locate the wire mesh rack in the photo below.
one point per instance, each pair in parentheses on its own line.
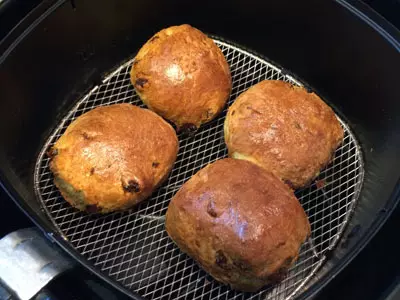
(133,248)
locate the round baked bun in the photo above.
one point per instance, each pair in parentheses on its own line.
(113,157)
(241,223)
(284,129)
(183,76)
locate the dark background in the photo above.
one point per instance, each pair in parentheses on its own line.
(373,274)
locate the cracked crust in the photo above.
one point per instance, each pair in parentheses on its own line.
(113,157)
(239,222)
(284,129)
(182,75)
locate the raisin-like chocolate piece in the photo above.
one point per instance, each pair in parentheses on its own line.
(211,209)
(242,265)
(288,262)
(92,208)
(253,110)
(86,136)
(155,164)
(91,171)
(188,129)
(132,186)
(52,152)
(289,183)
(220,258)
(141,82)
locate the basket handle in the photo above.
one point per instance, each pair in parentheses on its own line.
(28,262)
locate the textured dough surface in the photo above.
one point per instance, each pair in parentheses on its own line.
(113,157)
(182,75)
(283,129)
(241,223)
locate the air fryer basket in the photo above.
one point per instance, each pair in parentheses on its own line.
(62,53)
(133,247)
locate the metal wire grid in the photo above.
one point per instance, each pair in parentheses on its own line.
(133,248)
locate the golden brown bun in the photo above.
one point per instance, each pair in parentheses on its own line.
(113,157)
(283,129)
(182,75)
(240,222)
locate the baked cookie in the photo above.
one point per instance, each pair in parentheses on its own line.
(183,76)
(113,157)
(283,129)
(241,223)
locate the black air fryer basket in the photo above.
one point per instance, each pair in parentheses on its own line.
(67,57)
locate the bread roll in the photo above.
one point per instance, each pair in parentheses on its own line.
(283,129)
(183,76)
(113,157)
(241,223)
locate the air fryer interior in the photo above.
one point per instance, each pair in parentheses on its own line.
(60,52)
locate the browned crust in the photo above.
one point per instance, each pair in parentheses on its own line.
(283,129)
(182,75)
(113,157)
(240,222)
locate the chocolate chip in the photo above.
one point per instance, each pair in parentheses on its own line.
(85,135)
(188,129)
(52,152)
(211,209)
(91,171)
(288,262)
(289,183)
(233,112)
(155,164)
(254,110)
(92,208)
(220,258)
(241,265)
(132,186)
(141,82)
(297,125)
(281,244)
